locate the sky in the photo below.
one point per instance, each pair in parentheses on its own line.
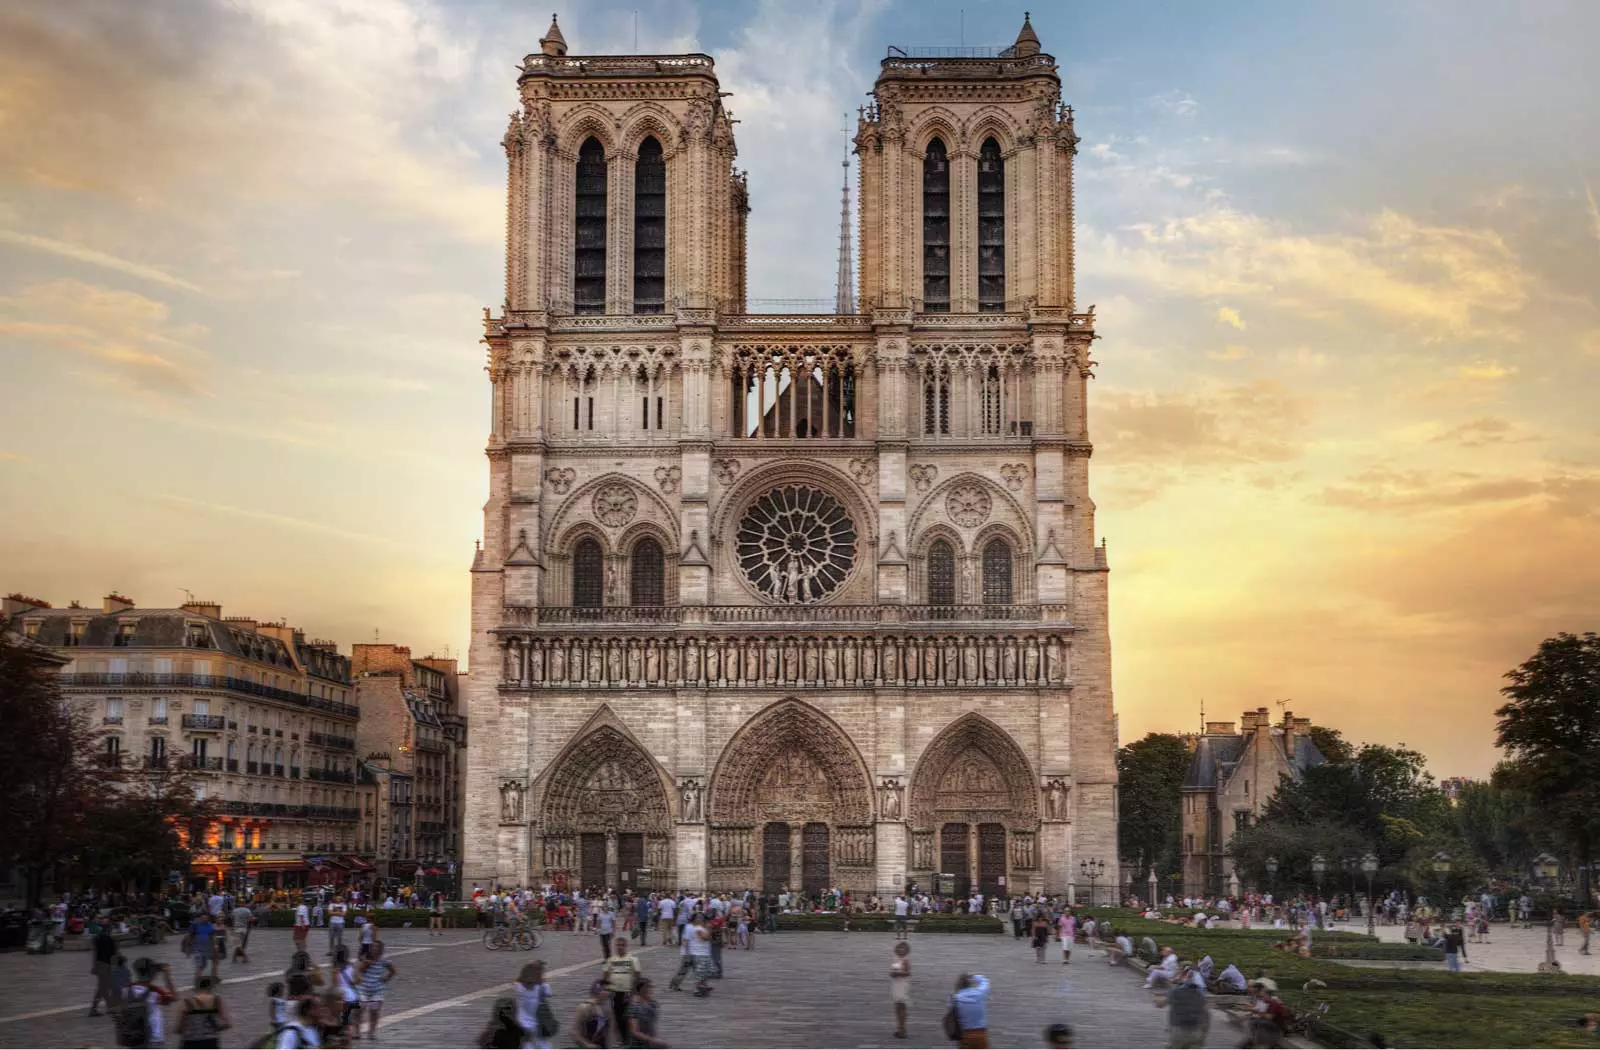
(1345,260)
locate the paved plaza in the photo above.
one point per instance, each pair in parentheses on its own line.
(794,989)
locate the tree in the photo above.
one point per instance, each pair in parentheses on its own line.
(48,776)
(1550,730)
(1150,776)
(135,836)
(1498,823)
(1334,747)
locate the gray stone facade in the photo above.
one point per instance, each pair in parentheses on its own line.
(788,599)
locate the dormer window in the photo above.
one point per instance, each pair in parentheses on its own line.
(124,635)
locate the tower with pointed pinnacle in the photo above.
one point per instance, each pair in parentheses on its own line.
(844,294)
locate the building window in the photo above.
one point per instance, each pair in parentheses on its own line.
(158,711)
(649,229)
(114,711)
(936,400)
(75,634)
(588,575)
(997,572)
(647,573)
(158,750)
(1189,848)
(589,244)
(794,392)
(991,228)
(936,229)
(124,634)
(941,573)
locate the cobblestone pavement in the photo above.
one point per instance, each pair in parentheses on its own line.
(794,989)
(1513,949)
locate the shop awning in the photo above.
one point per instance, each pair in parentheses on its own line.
(356,864)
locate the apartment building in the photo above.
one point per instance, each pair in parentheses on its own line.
(412,739)
(265,718)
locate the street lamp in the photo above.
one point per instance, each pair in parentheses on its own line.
(1441,868)
(1319,868)
(1155,886)
(1272,873)
(1093,868)
(1369,868)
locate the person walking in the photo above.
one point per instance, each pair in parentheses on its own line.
(105,953)
(533,999)
(1188,1016)
(436,914)
(1558,927)
(700,952)
(669,912)
(902,908)
(606,924)
(1066,932)
(619,974)
(718,927)
(336,912)
(202,1018)
(242,918)
(1041,934)
(1585,927)
(302,925)
(1455,949)
(641,908)
(141,1019)
(372,974)
(367,937)
(969,1009)
(197,944)
(900,986)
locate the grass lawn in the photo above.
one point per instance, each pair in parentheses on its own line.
(1409,1007)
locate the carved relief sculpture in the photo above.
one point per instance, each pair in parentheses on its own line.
(667,478)
(1055,799)
(891,798)
(560,479)
(725,470)
(968,505)
(1014,474)
(922,475)
(615,505)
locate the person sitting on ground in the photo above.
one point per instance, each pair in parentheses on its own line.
(1232,980)
(1165,971)
(1120,950)
(1270,1018)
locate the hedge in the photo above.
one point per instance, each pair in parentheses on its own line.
(879,922)
(386,918)
(1384,952)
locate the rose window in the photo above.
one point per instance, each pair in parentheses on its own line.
(796,544)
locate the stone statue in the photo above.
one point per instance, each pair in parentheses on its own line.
(691,800)
(691,662)
(558,662)
(1030,661)
(1055,799)
(614,661)
(633,661)
(1052,659)
(810,673)
(830,662)
(511,802)
(1010,668)
(672,663)
(891,798)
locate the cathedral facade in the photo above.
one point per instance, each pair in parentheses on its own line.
(789,599)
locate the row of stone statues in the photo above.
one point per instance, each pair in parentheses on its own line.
(829,660)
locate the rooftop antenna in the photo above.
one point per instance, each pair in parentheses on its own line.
(188,595)
(636,31)
(1202,716)
(963,27)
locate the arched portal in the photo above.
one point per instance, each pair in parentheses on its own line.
(974,809)
(606,815)
(791,805)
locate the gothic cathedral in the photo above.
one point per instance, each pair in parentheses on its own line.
(798,599)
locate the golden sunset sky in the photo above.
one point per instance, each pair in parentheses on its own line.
(1345,260)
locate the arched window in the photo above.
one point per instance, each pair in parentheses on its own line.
(936,229)
(646,573)
(588,575)
(589,231)
(794,391)
(650,229)
(936,399)
(991,228)
(997,572)
(941,573)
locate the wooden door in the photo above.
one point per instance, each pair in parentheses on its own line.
(775,858)
(955,857)
(814,858)
(592,861)
(630,858)
(991,859)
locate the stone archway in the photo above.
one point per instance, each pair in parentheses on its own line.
(791,804)
(975,810)
(606,814)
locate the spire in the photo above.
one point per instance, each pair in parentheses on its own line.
(844,299)
(553,43)
(1027,40)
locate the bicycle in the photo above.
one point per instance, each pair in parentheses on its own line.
(519,937)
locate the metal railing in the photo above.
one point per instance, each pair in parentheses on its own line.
(340,743)
(82,680)
(200,763)
(523,615)
(213,723)
(334,776)
(278,809)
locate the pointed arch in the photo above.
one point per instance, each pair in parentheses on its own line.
(1006,510)
(584,122)
(991,122)
(792,763)
(936,227)
(604,780)
(974,772)
(644,120)
(935,122)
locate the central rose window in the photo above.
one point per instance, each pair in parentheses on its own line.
(796,544)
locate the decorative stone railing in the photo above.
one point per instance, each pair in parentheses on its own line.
(779,615)
(1020,657)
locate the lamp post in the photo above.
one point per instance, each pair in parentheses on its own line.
(1155,886)
(1319,868)
(1272,874)
(1369,868)
(1441,871)
(1092,868)
(1351,865)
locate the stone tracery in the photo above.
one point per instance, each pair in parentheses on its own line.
(790,763)
(974,772)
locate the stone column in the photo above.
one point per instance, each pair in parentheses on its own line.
(612,866)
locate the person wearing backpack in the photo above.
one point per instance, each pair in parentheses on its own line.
(1188,1014)
(966,1023)
(535,1015)
(502,1032)
(202,1017)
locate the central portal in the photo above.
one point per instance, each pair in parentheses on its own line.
(955,858)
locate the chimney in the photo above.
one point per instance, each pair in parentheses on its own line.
(115,603)
(281,631)
(211,609)
(1288,733)
(1220,729)
(12,604)
(243,623)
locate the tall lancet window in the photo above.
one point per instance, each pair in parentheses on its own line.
(588,575)
(991,228)
(589,232)
(650,229)
(936,229)
(941,574)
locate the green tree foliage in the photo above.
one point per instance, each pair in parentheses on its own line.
(1550,730)
(1334,747)
(48,778)
(1380,800)
(1150,778)
(1498,823)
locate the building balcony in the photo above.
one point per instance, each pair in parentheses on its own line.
(333,776)
(158,720)
(290,812)
(111,720)
(108,759)
(277,771)
(155,762)
(337,743)
(564,615)
(200,763)
(205,723)
(233,765)
(221,683)
(253,768)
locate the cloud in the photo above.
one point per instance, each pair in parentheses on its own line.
(1231,352)
(1174,103)
(1228,315)
(1256,422)
(1594,211)
(1486,370)
(1304,357)
(1476,433)
(12,457)
(82,253)
(1391,490)
(1441,280)
(130,336)
(1589,342)
(282,520)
